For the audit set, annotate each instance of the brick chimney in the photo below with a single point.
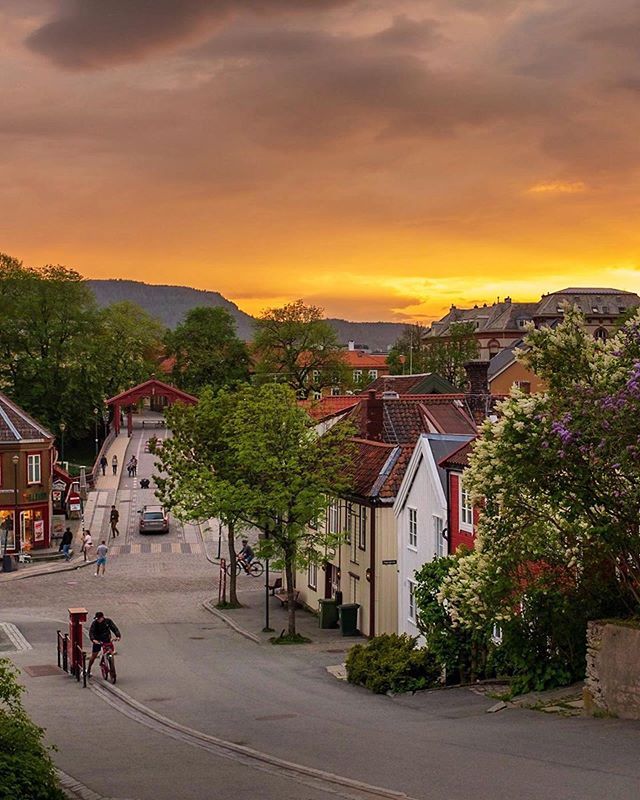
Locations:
(477, 392)
(373, 416)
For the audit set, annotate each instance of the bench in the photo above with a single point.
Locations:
(277, 584)
(281, 595)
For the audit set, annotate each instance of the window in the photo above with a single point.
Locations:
(347, 522)
(354, 586)
(523, 322)
(412, 601)
(524, 386)
(600, 335)
(316, 395)
(494, 347)
(362, 528)
(34, 473)
(335, 391)
(373, 374)
(438, 530)
(334, 517)
(357, 375)
(413, 527)
(316, 374)
(312, 576)
(496, 634)
(466, 509)
(7, 530)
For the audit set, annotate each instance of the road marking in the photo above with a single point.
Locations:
(310, 776)
(15, 637)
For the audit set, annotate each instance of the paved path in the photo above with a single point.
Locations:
(191, 685)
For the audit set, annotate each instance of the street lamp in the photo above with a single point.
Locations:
(7, 560)
(95, 428)
(63, 428)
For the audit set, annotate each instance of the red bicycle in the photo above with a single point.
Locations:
(108, 661)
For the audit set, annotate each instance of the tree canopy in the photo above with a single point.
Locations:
(295, 345)
(207, 351)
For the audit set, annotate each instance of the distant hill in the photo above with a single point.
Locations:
(171, 303)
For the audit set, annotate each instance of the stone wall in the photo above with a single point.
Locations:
(612, 683)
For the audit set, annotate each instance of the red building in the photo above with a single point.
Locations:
(462, 516)
(26, 464)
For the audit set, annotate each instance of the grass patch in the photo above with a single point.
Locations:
(287, 638)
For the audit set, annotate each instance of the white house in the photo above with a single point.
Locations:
(421, 517)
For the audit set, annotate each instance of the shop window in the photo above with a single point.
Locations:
(7, 530)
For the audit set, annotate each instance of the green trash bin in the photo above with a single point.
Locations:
(328, 613)
(349, 618)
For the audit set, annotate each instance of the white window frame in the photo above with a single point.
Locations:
(312, 575)
(354, 588)
(334, 517)
(34, 468)
(412, 601)
(335, 391)
(373, 374)
(412, 528)
(362, 529)
(466, 510)
(316, 395)
(357, 375)
(438, 529)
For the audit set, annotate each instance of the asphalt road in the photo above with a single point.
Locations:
(182, 665)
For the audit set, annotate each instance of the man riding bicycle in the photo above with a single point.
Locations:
(100, 633)
(246, 555)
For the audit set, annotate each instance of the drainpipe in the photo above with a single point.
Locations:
(372, 576)
(448, 499)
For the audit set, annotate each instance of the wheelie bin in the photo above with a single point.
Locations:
(327, 613)
(349, 618)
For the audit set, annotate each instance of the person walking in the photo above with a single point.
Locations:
(87, 544)
(114, 518)
(101, 553)
(134, 466)
(114, 464)
(65, 544)
(103, 464)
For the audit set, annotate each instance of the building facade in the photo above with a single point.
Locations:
(27, 456)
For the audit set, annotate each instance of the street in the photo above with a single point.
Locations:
(202, 712)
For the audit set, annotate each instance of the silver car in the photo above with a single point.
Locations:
(153, 519)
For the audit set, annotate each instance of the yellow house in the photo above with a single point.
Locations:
(505, 371)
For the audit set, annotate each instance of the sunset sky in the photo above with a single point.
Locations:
(381, 158)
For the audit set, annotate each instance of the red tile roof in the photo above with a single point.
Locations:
(328, 406)
(372, 465)
(357, 359)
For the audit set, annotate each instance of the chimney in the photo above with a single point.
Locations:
(352, 345)
(477, 392)
(507, 300)
(373, 416)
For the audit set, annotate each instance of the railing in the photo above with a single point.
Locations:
(78, 665)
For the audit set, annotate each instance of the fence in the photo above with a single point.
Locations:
(78, 665)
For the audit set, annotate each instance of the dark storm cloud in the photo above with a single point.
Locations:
(93, 34)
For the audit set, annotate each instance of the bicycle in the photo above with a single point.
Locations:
(255, 569)
(108, 661)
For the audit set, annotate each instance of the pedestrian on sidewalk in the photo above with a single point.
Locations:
(101, 553)
(103, 464)
(114, 518)
(87, 544)
(114, 464)
(134, 466)
(65, 544)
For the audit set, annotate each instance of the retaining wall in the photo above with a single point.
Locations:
(612, 683)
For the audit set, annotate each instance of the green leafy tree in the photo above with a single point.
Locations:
(295, 345)
(128, 342)
(26, 769)
(207, 351)
(417, 352)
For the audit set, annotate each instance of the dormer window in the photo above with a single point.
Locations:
(600, 335)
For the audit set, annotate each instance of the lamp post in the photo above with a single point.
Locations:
(95, 428)
(7, 560)
(63, 428)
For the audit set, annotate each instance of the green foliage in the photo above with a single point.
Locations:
(60, 357)
(26, 769)
(417, 352)
(297, 346)
(207, 351)
(392, 663)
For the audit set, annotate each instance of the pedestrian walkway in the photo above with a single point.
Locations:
(155, 547)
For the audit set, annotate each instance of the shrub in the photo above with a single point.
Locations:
(26, 769)
(392, 663)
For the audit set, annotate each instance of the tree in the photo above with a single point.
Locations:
(297, 346)
(128, 342)
(416, 352)
(25, 763)
(257, 459)
(207, 351)
(558, 481)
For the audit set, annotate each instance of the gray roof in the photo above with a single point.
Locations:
(503, 359)
(443, 445)
(591, 301)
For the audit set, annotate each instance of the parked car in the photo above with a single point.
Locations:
(153, 519)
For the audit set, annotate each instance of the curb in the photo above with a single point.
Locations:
(67, 568)
(76, 790)
(231, 624)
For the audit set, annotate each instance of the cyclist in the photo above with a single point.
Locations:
(100, 633)
(246, 555)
